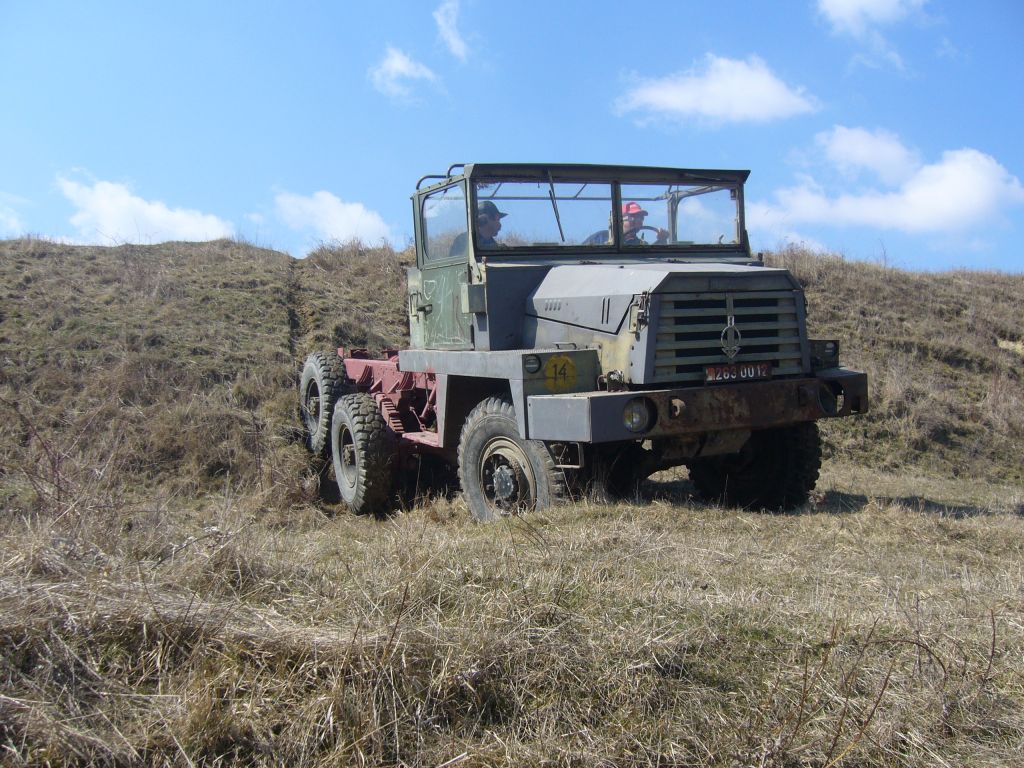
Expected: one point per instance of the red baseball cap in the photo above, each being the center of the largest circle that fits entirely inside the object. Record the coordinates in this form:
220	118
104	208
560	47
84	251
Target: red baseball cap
633	209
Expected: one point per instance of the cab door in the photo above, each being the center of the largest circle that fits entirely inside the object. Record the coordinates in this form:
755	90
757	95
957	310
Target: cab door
436	319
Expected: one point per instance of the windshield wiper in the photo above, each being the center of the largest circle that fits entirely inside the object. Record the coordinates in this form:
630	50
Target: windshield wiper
554	205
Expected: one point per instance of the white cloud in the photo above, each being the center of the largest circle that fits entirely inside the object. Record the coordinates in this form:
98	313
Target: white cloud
859	17
331	218
722	90
447	18
108	212
947	50
963	191
393	75
9	222
853	149
877	52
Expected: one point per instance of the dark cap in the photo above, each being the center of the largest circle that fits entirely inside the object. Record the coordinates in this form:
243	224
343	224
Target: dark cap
487	208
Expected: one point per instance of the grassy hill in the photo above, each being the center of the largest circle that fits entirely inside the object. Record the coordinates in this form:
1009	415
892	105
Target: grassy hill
175	590
945	356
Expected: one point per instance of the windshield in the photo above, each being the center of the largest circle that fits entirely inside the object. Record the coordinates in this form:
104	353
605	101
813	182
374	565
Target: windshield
544	213
512	214
699	214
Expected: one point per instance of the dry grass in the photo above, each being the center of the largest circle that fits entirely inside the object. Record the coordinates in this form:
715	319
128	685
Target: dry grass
353	296
173	593
666	635
941	350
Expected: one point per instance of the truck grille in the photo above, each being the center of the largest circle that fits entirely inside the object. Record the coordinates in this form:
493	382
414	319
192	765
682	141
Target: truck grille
690	327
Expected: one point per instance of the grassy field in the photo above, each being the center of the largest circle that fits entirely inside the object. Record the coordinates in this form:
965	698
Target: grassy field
174	590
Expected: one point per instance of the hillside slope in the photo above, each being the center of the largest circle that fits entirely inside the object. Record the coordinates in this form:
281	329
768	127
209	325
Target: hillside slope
171	367
945	356
175	591
178	362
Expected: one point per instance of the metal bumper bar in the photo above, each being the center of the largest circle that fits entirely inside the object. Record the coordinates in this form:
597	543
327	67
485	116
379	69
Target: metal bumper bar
597	417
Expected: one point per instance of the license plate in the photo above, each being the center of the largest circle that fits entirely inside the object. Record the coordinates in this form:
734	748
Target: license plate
716	374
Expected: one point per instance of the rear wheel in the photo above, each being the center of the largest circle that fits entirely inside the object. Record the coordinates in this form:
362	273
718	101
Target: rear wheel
775	470
362	449
322	383
501	473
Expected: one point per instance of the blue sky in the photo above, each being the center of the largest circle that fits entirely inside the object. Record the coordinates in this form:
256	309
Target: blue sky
885	130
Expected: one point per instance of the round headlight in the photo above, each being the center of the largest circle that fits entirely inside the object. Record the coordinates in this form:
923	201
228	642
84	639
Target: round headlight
531	363
636	416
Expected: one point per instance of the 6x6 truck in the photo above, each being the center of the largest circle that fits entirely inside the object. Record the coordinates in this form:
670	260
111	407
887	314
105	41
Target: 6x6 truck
575	326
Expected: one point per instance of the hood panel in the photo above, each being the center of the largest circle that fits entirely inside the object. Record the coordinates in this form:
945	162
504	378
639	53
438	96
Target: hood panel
598	296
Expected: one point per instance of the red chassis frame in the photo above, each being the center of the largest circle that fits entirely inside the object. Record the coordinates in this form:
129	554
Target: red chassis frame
406	399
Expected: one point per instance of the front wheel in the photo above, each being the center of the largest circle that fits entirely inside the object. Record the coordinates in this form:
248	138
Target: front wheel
501	473
362	449
775	470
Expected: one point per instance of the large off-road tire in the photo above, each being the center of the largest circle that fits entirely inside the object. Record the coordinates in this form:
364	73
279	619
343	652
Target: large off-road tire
322	383
362	450
775	470
501	473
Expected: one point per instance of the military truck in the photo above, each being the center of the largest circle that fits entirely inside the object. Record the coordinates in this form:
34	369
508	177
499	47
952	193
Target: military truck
580	327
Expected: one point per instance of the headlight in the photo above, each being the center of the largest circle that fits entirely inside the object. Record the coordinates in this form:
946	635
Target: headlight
531	363
636	416
824	354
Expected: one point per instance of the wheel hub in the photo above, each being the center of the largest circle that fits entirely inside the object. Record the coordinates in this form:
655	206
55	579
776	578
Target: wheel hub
346	467
506	482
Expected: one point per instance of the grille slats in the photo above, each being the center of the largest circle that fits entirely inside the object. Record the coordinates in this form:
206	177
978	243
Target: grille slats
689	332
711	311
749	343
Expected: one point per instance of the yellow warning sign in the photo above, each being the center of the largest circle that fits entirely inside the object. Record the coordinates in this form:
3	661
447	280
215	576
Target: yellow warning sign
560	374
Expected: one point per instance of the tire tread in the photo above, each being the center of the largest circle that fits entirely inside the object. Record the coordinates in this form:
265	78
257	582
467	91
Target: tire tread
375	446
327	372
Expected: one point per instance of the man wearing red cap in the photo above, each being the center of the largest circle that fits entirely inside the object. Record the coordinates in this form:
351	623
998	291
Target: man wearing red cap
632	221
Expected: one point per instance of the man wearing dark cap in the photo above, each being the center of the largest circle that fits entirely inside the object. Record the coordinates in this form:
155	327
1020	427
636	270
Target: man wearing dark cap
488	224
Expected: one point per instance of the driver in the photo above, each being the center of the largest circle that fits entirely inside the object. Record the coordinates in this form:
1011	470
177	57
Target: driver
633	218
633	221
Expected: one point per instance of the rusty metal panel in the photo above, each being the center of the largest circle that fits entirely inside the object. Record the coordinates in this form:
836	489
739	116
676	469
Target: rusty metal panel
694	410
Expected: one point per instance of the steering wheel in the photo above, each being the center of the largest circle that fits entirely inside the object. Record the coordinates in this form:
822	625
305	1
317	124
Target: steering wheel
657	232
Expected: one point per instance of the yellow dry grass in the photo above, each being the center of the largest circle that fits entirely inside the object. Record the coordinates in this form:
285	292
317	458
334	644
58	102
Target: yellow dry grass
174	591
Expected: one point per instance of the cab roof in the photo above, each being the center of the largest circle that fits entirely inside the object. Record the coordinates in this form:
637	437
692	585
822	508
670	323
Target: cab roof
584	172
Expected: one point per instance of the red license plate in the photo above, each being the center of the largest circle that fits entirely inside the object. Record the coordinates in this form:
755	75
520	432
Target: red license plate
732	372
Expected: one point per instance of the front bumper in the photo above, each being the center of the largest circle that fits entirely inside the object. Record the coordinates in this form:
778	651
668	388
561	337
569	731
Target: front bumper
596	417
